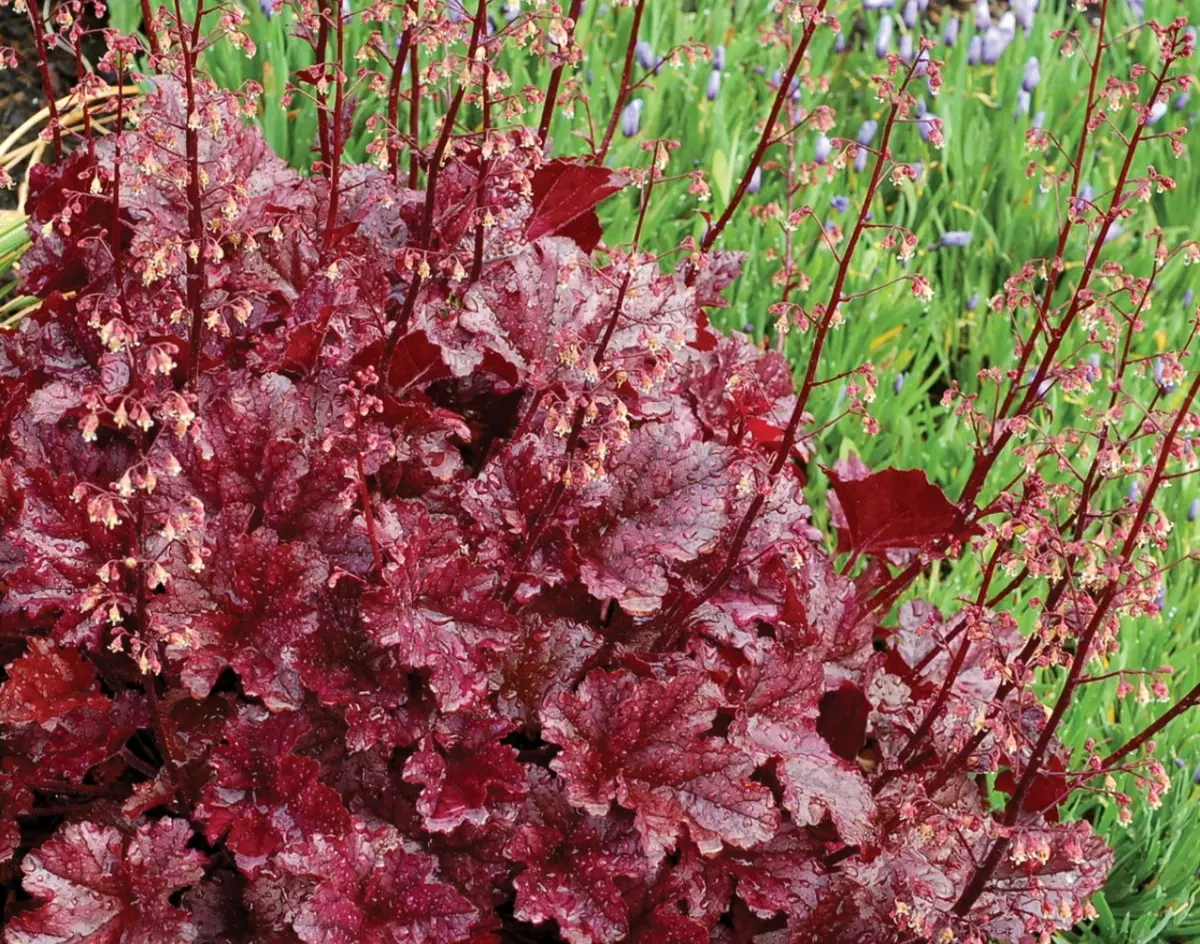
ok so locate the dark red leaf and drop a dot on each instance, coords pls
(565, 193)
(97, 886)
(644, 744)
(892, 509)
(47, 683)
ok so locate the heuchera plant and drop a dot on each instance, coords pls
(386, 562)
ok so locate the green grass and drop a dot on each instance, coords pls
(976, 183)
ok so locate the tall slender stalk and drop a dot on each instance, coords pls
(336, 145)
(623, 88)
(766, 138)
(556, 77)
(43, 66)
(188, 42)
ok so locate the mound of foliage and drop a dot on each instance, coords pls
(386, 564)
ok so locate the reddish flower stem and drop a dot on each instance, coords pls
(764, 141)
(150, 684)
(414, 111)
(1078, 522)
(1188, 701)
(368, 512)
(319, 54)
(1056, 268)
(481, 192)
(195, 255)
(148, 27)
(960, 657)
(443, 141)
(335, 158)
(80, 75)
(546, 513)
(986, 458)
(393, 105)
(623, 90)
(39, 41)
(556, 77)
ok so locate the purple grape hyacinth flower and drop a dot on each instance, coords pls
(822, 149)
(950, 36)
(1159, 377)
(1032, 75)
(883, 37)
(910, 13)
(955, 238)
(906, 47)
(983, 15)
(645, 54)
(840, 203)
(1157, 110)
(718, 57)
(267, 7)
(866, 133)
(995, 41)
(973, 302)
(975, 50)
(1193, 511)
(713, 88)
(755, 181)
(898, 384)
(1188, 297)
(631, 117)
(839, 42)
(1023, 11)
(1181, 101)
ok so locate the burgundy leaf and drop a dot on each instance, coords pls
(643, 743)
(777, 720)
(47, 683)
(576, 866)
(892, 509)
(97, 886)
(367, 888)
(465, 772)
(565, 194)
(260, 797)
(670, 501)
